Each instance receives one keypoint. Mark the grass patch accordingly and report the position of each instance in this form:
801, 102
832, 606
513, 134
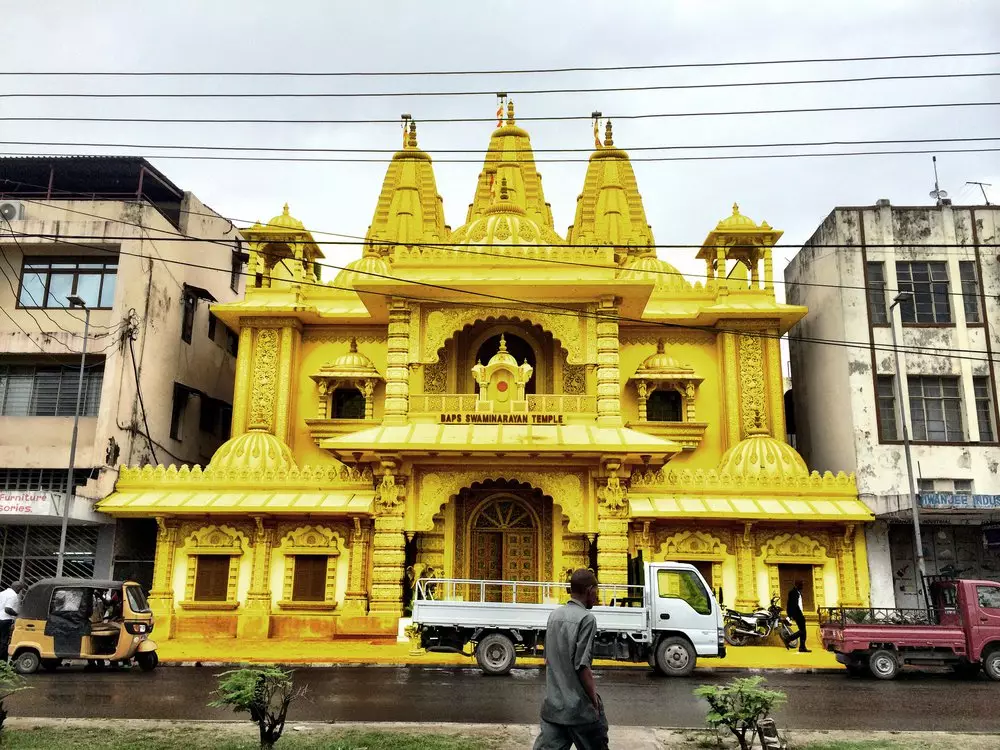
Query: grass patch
202, 739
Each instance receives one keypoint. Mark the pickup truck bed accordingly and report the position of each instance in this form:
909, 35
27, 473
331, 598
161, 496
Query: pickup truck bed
430, 613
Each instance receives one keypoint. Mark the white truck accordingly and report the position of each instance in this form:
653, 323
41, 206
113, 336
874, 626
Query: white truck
668, 622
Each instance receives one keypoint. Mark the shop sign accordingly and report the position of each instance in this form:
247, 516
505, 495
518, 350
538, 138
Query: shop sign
26, 502
491, 418
959, 502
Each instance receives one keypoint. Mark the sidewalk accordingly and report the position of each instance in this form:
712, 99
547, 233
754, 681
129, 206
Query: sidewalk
388, 652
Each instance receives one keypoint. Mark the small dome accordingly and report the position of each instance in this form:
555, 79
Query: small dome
286, 221
362, 269
736, 221
509, 226
503, 356
661, 362
256, 451
650, 268
353, 360
763, 457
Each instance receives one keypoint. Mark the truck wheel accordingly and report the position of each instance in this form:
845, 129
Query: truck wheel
991, 664
675, 657
495, 654
26, 662
883, 664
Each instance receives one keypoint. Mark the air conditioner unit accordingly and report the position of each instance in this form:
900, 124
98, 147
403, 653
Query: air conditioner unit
11, 210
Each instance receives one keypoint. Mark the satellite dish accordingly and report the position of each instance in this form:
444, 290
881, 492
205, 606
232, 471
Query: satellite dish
938, 194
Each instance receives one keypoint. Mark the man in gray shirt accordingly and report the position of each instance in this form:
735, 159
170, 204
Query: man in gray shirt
572, 713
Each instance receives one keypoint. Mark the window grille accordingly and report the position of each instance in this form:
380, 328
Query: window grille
49, 391
936, 409
927, 281
877, 309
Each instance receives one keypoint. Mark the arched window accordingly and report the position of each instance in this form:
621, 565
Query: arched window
348, 403
664, 406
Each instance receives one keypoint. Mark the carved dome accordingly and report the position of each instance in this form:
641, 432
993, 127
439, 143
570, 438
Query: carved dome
353, 360
505, 222
763, 457
363, 269
286, 221
739, 222
650, 268
503, 356
661, 362
254, 451
352, 365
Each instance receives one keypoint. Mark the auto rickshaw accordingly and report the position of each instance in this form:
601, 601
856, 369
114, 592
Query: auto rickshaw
73, 618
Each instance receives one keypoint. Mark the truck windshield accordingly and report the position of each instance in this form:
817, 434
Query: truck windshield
684, 584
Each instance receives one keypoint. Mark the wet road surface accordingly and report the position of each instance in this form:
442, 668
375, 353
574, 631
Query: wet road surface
632, 697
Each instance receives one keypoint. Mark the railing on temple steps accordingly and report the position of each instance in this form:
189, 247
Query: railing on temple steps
437, 403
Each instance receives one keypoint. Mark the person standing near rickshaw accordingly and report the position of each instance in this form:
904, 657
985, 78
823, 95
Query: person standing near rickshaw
10, 606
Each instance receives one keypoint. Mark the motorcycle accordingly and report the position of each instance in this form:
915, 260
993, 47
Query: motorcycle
740, 628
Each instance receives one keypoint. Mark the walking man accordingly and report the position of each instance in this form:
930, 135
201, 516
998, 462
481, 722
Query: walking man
794, 609
10, 605
572, 712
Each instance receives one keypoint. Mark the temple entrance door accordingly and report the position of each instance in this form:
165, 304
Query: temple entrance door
504, 545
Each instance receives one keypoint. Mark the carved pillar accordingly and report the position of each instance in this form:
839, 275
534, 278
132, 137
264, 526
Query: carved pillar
255, 619
242, 385
643, 390
612, 529
731, 402
270, 390
388, 547
768, 271
323, 411
847, 568
368, 391
609, 408
356, 599
288, 357
747, 598
397, 371
161, 596
689, 410
753, 399
720, 269
776, 385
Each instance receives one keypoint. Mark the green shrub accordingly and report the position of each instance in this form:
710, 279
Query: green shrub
739, 707
263, 692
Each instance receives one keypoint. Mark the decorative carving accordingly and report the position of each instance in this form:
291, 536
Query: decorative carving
574, 379
841, 486
654, 337
693, 545
334, 335
793, 549
265, 380
330, 476
310, 540
751, 377
436, 375
387, 493
613, 496
215, 541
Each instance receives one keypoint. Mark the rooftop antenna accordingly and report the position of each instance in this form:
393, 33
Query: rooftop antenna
937, 193
982, 186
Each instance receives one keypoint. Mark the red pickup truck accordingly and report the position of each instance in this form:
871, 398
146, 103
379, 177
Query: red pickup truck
960, 629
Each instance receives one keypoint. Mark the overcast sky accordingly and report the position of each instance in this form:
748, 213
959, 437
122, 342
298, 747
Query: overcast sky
683, 200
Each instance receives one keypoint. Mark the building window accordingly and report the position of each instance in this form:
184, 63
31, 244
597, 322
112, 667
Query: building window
309, 584
232, 342
179, 410
877, 309
236, 270
49, 391
944, 487
984, 409
970, 291
888, 423
189, 304
664, 406
48, 282
216, 417
935, 409
211, 578
42, 480
928, 283
212, 320
348, 403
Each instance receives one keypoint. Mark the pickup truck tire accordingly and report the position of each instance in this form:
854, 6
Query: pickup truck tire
991, 664
675, 657
883, 664
495, 654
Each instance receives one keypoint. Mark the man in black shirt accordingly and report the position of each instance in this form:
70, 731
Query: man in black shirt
794, 608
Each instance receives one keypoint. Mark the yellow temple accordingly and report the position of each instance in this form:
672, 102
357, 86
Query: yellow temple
497, 401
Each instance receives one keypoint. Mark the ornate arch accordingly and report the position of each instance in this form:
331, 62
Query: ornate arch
310, 540
213, 540
566, 489
696, 546
543, 368
796, 549
440, 324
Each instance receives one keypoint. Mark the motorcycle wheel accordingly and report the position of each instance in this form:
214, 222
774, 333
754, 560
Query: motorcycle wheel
733, 637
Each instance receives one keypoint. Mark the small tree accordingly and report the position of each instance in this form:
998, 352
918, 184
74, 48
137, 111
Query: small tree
263, 692
10, 682
739, 707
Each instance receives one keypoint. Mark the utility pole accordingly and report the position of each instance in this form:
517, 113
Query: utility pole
918, 548
74, 301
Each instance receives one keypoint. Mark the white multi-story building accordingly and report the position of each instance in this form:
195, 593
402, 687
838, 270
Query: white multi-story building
847, 406
159, 369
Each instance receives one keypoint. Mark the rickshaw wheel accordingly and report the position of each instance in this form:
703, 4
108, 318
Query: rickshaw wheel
26, 662
51, 665
147, 661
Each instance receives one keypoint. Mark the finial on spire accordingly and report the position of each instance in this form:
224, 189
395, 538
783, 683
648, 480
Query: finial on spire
412, 139
354, 345
510, 111
608, 140
660, 347
503, 343
736, 209
284, 211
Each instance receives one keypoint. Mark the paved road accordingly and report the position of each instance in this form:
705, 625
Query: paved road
633, 697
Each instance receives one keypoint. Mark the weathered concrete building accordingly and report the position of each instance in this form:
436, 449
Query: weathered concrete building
846, 404
101, 228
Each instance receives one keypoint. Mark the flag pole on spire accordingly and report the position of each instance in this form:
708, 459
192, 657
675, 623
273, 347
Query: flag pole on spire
597, 129
501, 100
405, 119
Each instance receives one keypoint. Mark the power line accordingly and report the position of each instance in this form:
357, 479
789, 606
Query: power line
513, 71
537, 118
525, 305
720, 157
480, 92
678, 147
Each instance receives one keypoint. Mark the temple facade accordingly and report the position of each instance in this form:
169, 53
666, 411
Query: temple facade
498, 401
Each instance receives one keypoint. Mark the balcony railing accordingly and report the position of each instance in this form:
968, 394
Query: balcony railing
436, 403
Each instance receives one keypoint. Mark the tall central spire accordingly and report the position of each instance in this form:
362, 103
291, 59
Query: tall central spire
510, 156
